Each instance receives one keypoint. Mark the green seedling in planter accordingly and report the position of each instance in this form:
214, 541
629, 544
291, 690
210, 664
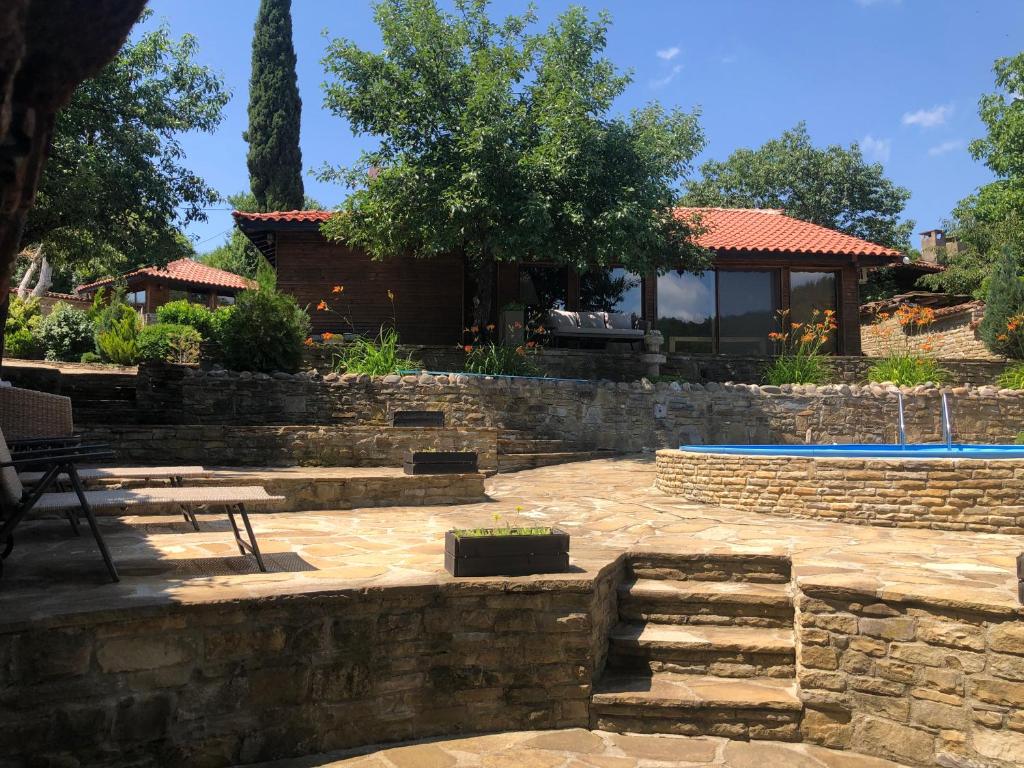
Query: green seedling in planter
508, 529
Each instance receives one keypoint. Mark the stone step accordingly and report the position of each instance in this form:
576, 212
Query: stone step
703, 566
693, 705
702, 650
517, 462
732, 603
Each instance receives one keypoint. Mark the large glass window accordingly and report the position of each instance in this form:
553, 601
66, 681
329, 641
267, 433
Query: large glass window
686, 311
810, 292
747, 303
612, 290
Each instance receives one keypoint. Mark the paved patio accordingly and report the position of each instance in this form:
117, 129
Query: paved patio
609, 506
591, 749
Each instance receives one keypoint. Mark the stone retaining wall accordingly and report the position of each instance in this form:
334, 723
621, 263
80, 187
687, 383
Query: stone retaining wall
257, 680
921, 685
321, 445
953, 495
585, 415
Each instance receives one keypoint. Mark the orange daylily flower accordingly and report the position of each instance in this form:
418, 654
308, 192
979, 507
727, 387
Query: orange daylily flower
338, 289
327, 335
490, 326
308, 342
322, 305
468, 348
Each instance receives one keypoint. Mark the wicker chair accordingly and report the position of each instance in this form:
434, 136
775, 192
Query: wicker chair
26, 414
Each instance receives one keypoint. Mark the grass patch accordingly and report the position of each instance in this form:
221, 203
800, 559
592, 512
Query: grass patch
374, 357
798, 369
907, 370
1012, 377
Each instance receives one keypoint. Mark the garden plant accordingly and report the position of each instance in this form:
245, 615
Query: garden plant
907, 364
800, 359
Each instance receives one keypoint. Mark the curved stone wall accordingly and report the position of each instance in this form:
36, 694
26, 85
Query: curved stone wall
946, 494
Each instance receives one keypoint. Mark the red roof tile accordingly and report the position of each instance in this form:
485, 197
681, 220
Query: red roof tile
283, 217
728, 229
183, 271
772, 231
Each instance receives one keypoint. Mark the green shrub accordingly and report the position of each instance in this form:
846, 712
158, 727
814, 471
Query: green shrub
374, 357
119, 343
265, 330
1019, 440
1005, 300
23, 318
799, 359
21, 344
91, 357
184, 312
66, 333
1012, 377
169, 343
500, 360
907, 370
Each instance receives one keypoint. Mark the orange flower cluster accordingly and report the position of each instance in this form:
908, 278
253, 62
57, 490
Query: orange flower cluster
916, 317
804, 338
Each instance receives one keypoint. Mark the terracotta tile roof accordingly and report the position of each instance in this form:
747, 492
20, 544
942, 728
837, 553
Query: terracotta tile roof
182, 271
283, 217
728, 229
771, 231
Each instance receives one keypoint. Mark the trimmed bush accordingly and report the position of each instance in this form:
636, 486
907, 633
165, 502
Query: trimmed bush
21, 343
184, 312
169, 343
265, 330
66, 333
91, 357
1005, 300
119, 343
23, 319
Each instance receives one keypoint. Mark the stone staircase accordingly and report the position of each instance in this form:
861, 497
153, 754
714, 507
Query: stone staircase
704, 646
520, 450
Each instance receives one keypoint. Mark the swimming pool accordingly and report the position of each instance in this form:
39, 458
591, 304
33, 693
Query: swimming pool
868, 451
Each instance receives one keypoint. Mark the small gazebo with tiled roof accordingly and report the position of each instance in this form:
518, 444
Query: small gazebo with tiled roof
151, 287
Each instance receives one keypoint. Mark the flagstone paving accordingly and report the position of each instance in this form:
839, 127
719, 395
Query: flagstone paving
608, 506
577, 748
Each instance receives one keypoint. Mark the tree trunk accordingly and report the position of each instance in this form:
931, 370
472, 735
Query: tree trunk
483, 302
45, 276
26, 280
47, 47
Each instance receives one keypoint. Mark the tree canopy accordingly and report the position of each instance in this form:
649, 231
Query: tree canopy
275, 159
115, 194
832, 186
990, 222
498, 142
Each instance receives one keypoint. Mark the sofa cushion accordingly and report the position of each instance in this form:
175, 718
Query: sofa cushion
560, 320
592, 320
619, 321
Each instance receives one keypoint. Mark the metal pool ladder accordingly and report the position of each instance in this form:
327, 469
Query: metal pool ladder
901, 427
947, 427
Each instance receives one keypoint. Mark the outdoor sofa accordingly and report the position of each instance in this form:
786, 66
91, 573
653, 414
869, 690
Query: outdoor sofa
593, 327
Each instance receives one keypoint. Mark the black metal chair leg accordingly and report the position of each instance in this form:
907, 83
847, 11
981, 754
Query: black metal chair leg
73, 519
249, 546
76, 483
189, 515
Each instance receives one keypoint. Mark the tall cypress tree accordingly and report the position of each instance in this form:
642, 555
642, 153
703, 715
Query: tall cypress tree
275, 160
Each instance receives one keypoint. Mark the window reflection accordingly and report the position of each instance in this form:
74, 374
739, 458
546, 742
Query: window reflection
810, 291
747, 303
613, 290
686, 311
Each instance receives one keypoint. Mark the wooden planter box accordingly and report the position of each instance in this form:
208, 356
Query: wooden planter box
506, 555
440, 462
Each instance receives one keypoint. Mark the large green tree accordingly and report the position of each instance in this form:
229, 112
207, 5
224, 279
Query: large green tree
833, 186
498, 142
990, 222
115, 194
275, 160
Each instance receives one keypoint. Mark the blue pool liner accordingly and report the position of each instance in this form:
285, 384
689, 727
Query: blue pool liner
868, 450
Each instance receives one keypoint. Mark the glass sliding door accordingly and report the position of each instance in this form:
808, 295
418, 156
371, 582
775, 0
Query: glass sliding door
686, 311
810, 291
747, 303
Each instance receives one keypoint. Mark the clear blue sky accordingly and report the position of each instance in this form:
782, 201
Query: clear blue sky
902, 77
